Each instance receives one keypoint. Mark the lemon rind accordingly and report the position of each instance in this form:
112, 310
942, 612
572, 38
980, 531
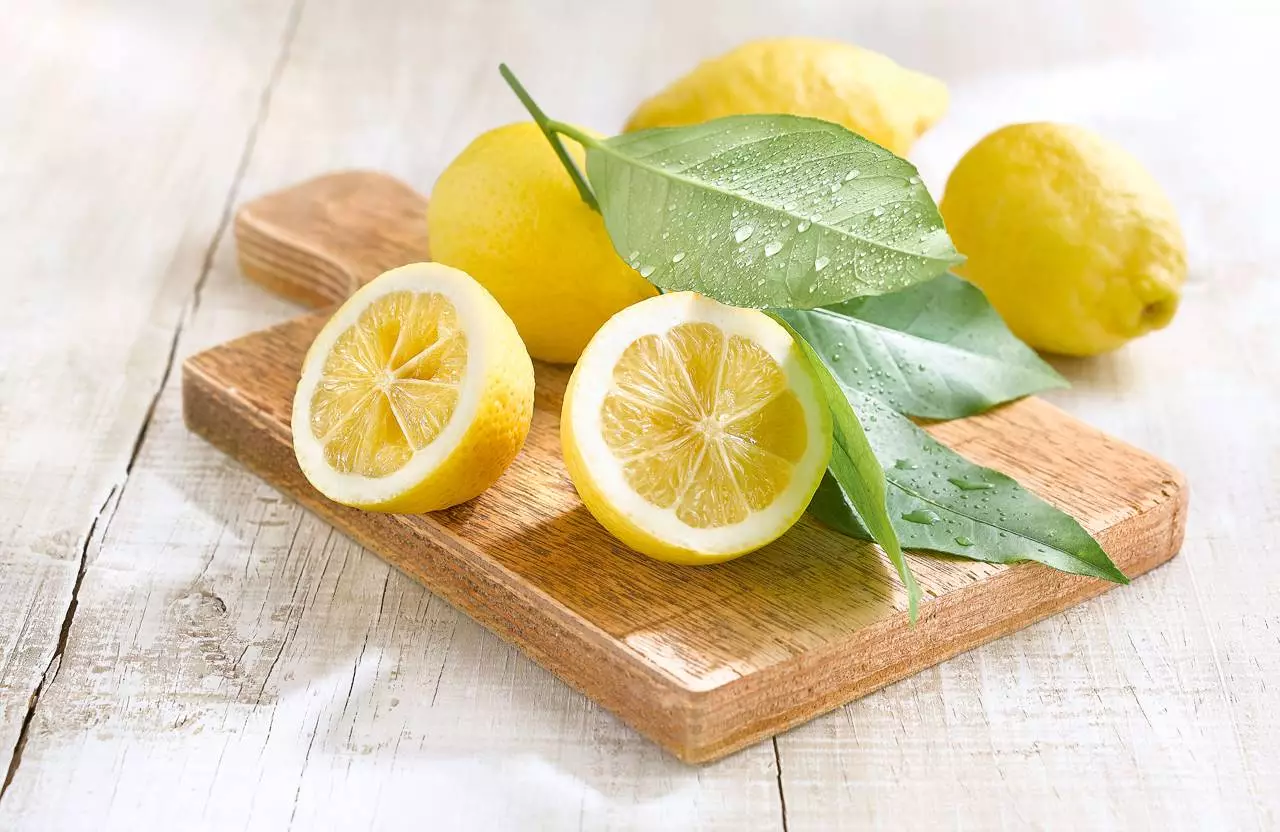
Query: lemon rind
598, 474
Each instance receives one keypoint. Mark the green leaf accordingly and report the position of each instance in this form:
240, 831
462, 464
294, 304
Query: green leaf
938, 350
941, 502
767, 211
856, 475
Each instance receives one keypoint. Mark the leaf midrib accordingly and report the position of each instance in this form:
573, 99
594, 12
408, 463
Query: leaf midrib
698, 184
987, 358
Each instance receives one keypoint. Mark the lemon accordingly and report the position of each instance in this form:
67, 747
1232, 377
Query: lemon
860, 89
506, 212
1072, 240
695, 432
415, 396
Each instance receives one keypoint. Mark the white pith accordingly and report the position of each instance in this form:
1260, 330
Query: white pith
595, 380
470, 302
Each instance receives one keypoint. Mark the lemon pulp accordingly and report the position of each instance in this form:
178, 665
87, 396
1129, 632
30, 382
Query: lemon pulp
390, 383
695, 432
703, 423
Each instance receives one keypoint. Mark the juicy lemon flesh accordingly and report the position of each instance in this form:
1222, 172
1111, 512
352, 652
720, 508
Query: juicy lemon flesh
390, 383
704, 424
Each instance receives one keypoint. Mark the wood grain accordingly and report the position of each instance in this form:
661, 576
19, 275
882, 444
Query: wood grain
703, 661
235, 663
104, 261
354, 226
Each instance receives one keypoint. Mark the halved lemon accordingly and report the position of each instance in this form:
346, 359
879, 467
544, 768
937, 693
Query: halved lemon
415, 396
695, 432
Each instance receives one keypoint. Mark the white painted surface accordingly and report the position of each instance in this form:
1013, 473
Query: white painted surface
229, 662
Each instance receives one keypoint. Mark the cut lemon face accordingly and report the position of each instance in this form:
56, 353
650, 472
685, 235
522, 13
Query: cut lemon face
415, 396
693, 431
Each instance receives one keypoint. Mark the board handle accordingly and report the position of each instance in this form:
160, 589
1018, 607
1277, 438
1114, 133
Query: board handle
321, 240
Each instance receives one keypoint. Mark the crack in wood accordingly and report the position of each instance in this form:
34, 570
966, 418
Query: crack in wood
64, 634
188, 313
782, 797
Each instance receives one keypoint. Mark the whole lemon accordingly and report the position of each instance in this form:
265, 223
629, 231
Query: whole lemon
506, 212
1072, 240
862, 90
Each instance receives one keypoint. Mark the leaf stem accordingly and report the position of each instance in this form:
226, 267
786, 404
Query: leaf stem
551, 129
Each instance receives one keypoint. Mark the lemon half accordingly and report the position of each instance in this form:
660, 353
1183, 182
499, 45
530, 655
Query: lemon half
695, 432
415, 396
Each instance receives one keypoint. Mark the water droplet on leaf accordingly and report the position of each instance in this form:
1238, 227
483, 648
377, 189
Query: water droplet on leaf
969, 485
923, 516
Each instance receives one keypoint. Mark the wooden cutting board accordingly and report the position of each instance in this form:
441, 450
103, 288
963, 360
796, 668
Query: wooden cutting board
701, 660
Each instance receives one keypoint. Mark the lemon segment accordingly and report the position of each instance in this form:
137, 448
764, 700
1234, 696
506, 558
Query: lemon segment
695, 432
415, 396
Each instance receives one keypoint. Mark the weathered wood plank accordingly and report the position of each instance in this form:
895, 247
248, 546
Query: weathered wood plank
375, 87
112, 185
156, 716
1153, 707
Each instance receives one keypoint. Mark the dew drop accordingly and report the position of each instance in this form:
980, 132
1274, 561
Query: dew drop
835, 187
802, 226
771, 249
679, 255
923, 516
963, 541
878, 211
743, 233
969, 485
645, 271
915, 180
853, 174
821, 263
905, 465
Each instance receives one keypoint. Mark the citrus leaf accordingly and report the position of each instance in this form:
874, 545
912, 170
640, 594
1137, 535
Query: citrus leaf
855, 473
938, 350
767, 211
941, 502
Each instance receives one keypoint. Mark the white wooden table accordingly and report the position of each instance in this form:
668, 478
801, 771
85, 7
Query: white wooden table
183, 648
